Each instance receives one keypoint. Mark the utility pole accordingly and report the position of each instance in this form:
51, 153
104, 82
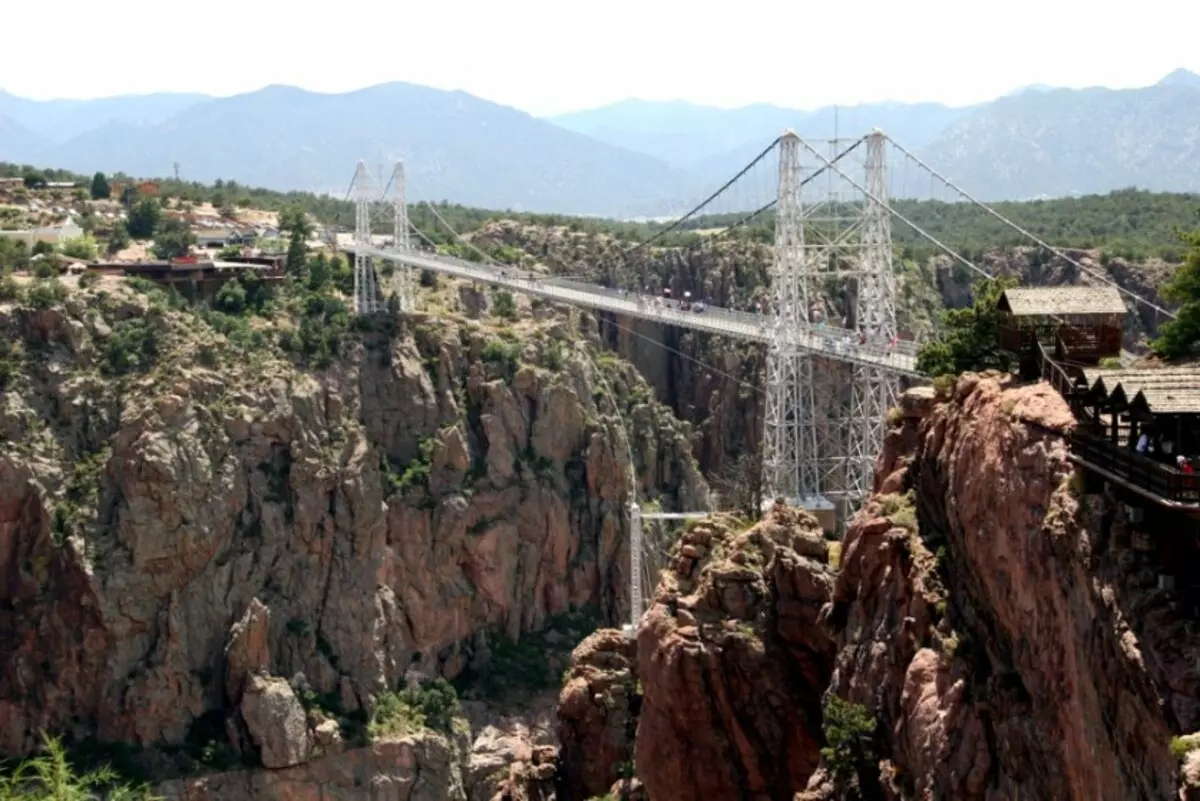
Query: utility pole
176, 172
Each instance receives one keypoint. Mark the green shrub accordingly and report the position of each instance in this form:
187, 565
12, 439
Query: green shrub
849, 730
432, 706
51, 777
504, 305
46, 294
10, 361
81, 247
132, 347
1182, 746
506, 355
10, 289
416, 472
46, 268
88, 279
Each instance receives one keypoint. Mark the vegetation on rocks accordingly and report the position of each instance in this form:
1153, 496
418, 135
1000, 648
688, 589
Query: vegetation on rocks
265, 421
1179, 336
50, 776
848, 752
434, 706
970, 337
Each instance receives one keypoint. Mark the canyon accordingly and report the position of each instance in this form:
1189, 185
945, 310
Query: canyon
238, 572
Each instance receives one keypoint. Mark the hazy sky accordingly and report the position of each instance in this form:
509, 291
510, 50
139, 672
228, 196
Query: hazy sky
548, 57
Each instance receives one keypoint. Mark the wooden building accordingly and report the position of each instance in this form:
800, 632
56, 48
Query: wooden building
1133, 426
1079, 324
206, 276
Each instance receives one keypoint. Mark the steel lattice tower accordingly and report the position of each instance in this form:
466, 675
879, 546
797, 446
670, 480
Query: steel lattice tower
366, 290
825, 419
873, 389
789, 434
400, 241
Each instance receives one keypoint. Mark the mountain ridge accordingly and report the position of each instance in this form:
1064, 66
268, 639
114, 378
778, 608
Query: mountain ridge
626, 159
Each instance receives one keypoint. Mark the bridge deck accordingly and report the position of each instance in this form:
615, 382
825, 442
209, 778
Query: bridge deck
829, 341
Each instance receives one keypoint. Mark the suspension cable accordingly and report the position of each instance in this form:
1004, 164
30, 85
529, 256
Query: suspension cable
707, 200
1026, 233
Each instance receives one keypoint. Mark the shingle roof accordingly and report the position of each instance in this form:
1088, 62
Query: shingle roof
1034, 301
1164, 390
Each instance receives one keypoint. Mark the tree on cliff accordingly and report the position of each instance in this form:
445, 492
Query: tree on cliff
849, 753
294, 220
970, 337
100, 188
144, 219
173, 240
1179, 336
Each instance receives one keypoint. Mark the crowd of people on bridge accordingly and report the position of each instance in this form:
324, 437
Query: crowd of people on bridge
848, 340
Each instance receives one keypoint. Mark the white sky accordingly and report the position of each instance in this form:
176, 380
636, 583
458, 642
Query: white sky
550, 56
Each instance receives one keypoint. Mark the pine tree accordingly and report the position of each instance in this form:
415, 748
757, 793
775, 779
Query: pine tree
100, 188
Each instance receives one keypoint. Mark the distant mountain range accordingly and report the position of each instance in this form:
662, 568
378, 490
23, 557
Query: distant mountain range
630, 158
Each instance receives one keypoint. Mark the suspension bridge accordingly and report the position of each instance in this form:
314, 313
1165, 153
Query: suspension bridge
835, 357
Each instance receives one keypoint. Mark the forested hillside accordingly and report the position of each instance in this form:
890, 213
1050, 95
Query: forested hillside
1130, 223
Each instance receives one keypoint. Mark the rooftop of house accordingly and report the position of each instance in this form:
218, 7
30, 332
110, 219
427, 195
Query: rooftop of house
1062, 300
222, 233
1158, 390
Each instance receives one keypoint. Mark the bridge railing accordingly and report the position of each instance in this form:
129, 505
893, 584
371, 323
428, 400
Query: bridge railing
839, 342
835, 334
1160, 479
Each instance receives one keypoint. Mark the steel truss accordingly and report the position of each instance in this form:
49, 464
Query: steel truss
825, 419
403, 276
366, 288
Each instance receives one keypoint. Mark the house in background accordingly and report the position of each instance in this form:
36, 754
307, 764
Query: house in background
140, 188
54, 235
217, 238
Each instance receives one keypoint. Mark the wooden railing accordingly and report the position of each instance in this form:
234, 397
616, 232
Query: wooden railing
1142, 471
1055, 374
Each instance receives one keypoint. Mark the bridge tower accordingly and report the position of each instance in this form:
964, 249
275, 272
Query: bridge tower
873, 389
366, 290
789, 435
825, 419
405, 291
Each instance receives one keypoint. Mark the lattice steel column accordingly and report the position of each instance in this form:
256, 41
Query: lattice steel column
873, 389
366, 291
789, 443
635, 568
405, 291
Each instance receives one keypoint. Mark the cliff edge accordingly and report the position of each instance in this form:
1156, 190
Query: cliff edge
1000, 618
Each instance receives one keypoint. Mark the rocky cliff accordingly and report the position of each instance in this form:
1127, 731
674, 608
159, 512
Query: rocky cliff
997, 628
213, 554
1000, 619
720, 695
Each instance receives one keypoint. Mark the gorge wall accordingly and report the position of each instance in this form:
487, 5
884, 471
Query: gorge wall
211, 549
995, 617
995, 629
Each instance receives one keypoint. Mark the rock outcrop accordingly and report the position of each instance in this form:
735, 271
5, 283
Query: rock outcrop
597, 712
411, 769
184, 520
996, 619
733, 663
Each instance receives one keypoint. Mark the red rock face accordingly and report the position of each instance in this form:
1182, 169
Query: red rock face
1007, 648
732, 663
597, 713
